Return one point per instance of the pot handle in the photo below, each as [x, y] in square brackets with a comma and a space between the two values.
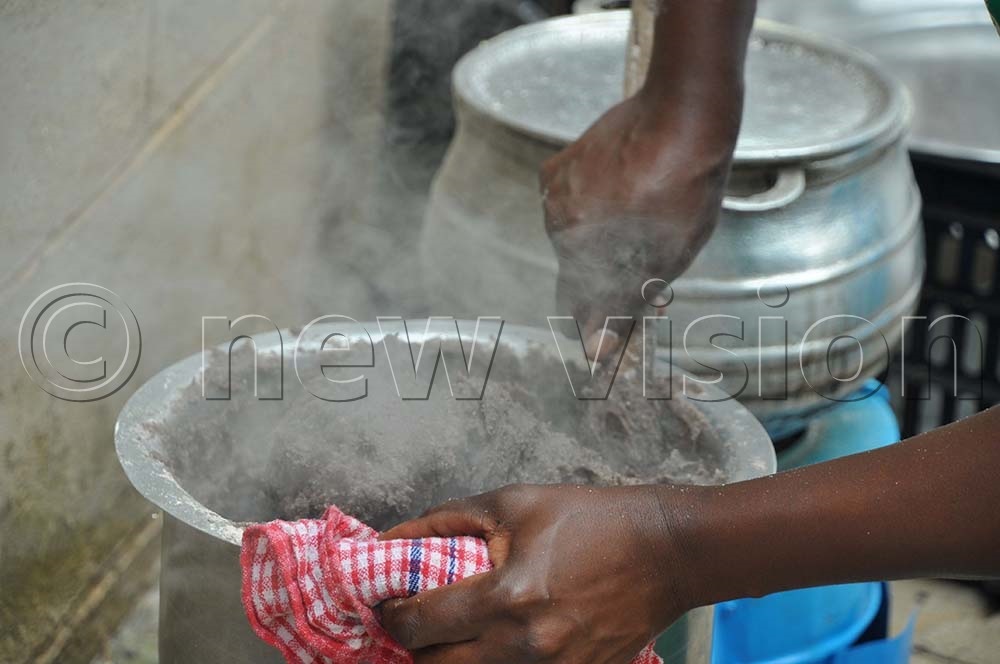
[787, 188]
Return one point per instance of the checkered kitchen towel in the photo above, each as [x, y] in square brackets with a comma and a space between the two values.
[309, 586]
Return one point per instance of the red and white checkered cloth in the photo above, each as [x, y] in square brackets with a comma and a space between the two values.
[309, 586]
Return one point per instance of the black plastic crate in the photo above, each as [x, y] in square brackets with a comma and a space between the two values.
[953, 369]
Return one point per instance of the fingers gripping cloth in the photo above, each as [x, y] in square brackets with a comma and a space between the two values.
[309, 586]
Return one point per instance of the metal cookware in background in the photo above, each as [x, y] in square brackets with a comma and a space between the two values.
[822, 217]
[846, 18]
[948, 53]
[201, 615]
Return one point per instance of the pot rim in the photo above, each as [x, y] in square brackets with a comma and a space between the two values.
[144, 460]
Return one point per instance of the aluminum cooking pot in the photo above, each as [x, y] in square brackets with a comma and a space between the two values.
[201, 617]
[947, 53]
[818, 255]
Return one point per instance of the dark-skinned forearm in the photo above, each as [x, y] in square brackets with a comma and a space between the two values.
[699, 46]
[927, 507]
[697, 62]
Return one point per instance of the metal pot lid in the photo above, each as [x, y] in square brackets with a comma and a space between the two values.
[807, 98]
[951, 64]
[946, 51]
[849, 18]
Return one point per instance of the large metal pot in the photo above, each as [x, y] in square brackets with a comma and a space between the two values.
[945, 51]
[850, 17]
[201, 617]
[822, 218]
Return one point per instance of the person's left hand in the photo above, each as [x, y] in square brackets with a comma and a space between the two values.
[581, 574]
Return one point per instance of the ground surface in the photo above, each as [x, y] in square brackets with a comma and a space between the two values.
[956, 625]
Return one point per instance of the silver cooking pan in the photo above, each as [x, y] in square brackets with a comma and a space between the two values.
[201, 617]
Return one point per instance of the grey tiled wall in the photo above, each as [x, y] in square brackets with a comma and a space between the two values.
[197, 158]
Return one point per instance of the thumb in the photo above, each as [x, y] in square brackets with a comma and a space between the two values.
[452, 614]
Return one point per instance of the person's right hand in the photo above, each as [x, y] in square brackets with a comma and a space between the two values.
[582, 574]
[634, 199]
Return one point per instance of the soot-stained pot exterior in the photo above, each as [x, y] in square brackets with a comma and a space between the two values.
[822, 218]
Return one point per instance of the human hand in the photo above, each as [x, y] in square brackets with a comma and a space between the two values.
[634, 199]
[581, 574]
